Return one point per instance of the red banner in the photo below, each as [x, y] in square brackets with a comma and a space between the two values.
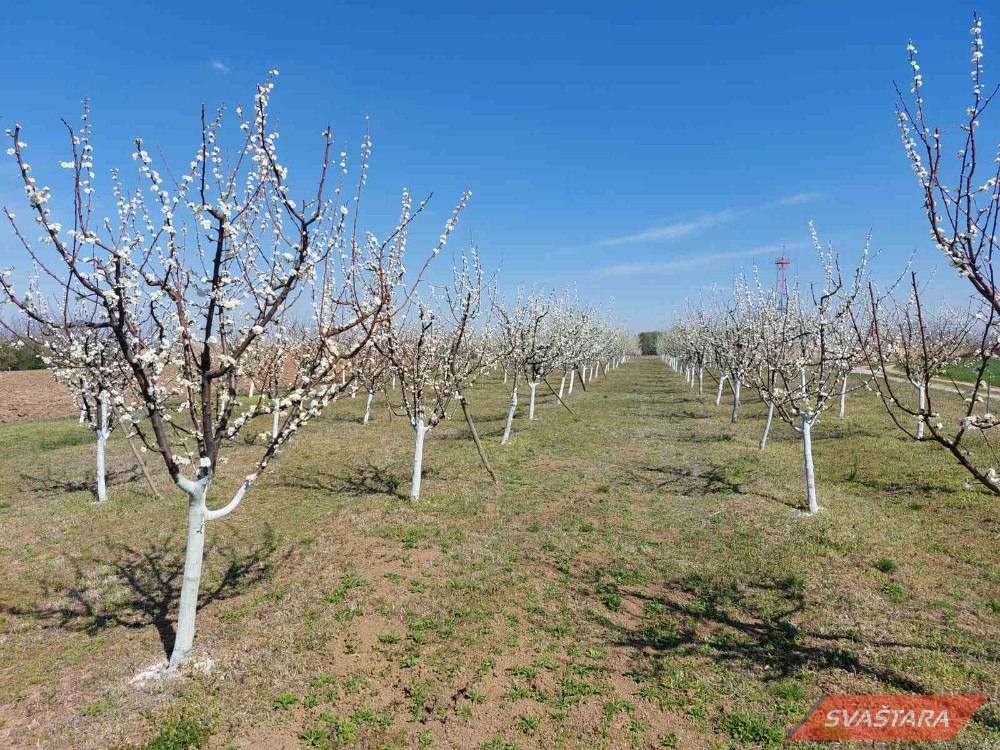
[888, 717]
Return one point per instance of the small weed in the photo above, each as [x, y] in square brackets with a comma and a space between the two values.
[285, 701]
[745, 727]
[894, 592]
[528, 724]
[887, 565]
[183, 733]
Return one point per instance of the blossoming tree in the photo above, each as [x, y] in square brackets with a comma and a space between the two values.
[189, 273]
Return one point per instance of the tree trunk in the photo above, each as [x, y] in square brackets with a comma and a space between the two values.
[921, 404]
[843, 396]
[475, 437]
[368, 407]
[531, 401]
[510, 415]
[718, 394]
[572, 377]
[767, 425]
[701, 380]
[102, 440]
[194, 554]
[250, 394]
[102, 481]
[274, 419]
[138, 459]
[736, 400]
[807, 456]
[562, 386]
[418, 457]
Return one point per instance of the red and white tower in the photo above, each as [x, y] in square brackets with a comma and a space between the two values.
[781, 264]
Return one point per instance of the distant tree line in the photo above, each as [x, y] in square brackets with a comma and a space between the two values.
[647, 342]
[16, 353]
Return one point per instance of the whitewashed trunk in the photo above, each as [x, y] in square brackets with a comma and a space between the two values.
[843, 397]
[102, 433]
[807, 457]
[718, 393]
[701, 381]
[102, 477]
[393, 382]
[531, 401]
[368, 407]
[921, 404]
[505, 377]
[736, 400]
[767, 425]
[418, 457]
[510, 416]
[572, 377]
[194, 554]
[251, 392]
[562, 386]
[274, 417]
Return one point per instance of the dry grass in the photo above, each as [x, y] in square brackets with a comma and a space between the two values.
[643, 579]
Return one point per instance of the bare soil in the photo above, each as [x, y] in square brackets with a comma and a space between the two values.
[32, 394]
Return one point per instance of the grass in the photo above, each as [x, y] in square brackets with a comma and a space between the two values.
[643, 578]
[967, 370]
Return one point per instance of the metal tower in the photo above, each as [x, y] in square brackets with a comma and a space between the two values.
[782, 263]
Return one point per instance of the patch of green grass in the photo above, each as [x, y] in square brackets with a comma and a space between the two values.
[285, 701]
[752, 728]
[183, 733]
[887, 565]
[529, 724]
[894, 592]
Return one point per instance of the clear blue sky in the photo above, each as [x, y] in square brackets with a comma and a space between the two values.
[639, 150]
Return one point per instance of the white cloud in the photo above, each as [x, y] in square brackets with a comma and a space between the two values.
[688, 261]
[794, 200]
[675, 231]
[220, 66]
[702, 223]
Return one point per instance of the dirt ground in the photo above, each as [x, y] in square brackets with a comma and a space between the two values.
[643, 578]
[32, 394]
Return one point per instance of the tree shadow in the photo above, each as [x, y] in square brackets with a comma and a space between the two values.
[687, 414]
[137, 589]
[711, 481]
[357, 481]
[694, 483]
[49, 484]
[753, 625]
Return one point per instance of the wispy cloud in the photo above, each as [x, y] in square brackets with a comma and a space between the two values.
[794, 200]
[675, 231]
[219, 66]
[689, 261]
[702, 223]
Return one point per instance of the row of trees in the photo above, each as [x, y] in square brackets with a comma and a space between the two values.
[801, 350]
[794, 350]
[212, 303]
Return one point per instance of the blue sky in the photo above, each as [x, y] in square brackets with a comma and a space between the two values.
[638, 150]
